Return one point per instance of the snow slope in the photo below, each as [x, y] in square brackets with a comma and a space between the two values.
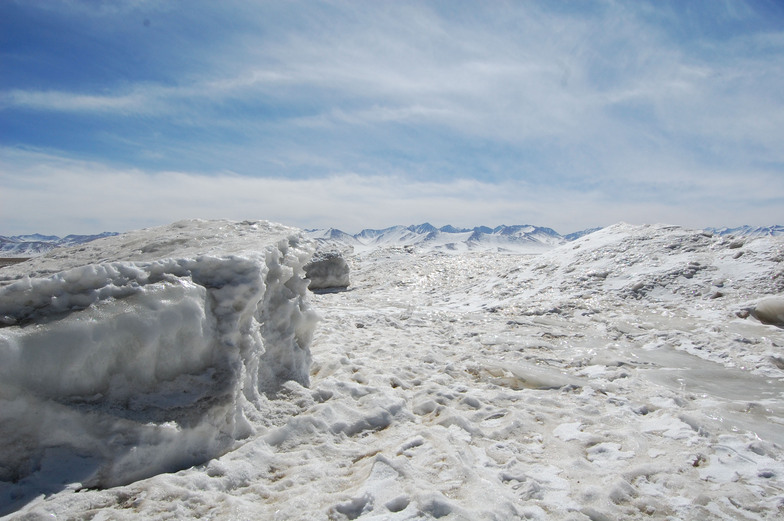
[620, 376]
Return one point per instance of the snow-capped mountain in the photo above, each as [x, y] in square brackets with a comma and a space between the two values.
[37, 244]
[519, 238]
[750, 231]
[576, 235]
[524, 238]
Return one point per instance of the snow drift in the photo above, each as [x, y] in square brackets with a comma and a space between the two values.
[115, 371]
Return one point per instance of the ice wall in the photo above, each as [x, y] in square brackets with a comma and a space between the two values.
[115, 371]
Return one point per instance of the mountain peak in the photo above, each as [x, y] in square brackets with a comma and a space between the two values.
[422, 228]
[451, 229]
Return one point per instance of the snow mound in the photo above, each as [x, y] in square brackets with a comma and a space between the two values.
[116, 371]
[328, 270]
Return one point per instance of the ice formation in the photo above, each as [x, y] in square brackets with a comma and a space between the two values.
[328, 270]
[770, 311]
[116, 371]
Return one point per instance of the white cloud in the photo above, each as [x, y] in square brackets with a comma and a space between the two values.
[46, 193]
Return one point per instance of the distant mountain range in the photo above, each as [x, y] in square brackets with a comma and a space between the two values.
[524, 238]
[750, 231]
[37, 244]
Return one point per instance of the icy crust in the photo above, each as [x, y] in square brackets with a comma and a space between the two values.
[117, 371]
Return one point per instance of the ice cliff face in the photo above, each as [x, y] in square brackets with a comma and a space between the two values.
[154, 360]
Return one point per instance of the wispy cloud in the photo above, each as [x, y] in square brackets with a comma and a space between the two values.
[70, 102]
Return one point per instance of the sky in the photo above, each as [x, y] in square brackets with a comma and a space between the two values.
[118, 114]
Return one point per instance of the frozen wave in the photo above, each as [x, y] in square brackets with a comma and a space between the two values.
[117, 371]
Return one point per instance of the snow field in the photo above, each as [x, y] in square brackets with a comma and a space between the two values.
[604, 379]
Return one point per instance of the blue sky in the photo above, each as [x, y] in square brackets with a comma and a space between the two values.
[116, 115]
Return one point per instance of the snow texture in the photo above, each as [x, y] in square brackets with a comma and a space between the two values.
[117, 371]
[619, 376]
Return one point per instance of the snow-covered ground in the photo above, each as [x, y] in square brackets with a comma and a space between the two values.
[620, 376]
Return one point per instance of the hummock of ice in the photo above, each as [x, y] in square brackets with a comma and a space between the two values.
[328, 270]
[770, 311]
[115, 371]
